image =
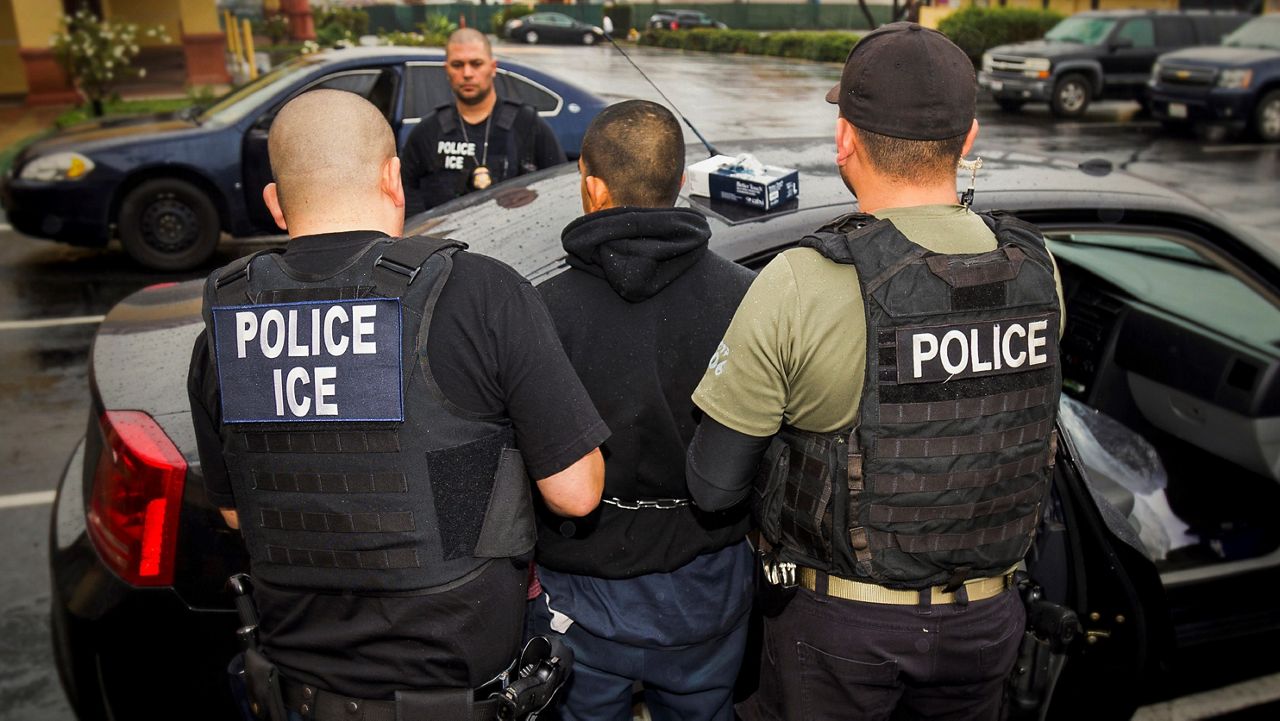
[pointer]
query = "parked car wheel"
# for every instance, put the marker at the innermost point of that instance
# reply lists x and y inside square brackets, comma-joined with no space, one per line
[1010,105]
[1070,96]
[531,37]
[168,224]
[588,38]
[1266,118]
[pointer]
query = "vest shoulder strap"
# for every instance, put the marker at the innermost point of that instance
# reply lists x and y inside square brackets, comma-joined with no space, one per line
[400,262]
[445,117]
[235,275]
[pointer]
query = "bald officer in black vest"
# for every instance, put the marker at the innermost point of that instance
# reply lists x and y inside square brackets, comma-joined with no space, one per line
[898,374]
[369,411]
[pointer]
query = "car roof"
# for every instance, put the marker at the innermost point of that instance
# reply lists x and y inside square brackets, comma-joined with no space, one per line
[1141,13]
[507,223]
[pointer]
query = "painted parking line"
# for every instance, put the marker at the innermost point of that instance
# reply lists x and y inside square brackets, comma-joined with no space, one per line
[20,500]
[50,322]
[1254,147]
[1236,697]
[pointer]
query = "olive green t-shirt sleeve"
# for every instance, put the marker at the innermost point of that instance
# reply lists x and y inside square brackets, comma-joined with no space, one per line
[745,384]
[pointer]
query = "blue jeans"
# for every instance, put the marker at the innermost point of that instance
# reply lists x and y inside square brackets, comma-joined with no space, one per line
[687,683]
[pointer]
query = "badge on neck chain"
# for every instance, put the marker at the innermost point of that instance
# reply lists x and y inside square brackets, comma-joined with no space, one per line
[480,178]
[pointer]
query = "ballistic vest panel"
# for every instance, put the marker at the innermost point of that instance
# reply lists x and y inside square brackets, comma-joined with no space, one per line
[944,474]
[351,473]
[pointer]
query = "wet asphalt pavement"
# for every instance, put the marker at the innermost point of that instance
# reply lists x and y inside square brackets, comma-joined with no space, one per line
[50,294]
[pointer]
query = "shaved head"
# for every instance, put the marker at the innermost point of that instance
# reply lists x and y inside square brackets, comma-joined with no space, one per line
[464,36]
[328,149]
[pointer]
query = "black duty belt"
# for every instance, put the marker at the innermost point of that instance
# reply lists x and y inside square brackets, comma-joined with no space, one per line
[316,704]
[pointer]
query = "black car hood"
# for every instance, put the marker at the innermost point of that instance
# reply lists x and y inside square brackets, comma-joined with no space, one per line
[1220,56]
[104,134]
[1042,49]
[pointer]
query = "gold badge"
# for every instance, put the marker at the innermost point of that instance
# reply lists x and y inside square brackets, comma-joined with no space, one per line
[480,178]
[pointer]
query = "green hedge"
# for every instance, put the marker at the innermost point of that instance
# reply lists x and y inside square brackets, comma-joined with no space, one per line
[977,30]
[807,45]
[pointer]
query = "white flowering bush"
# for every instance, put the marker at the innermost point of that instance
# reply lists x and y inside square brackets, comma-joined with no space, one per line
[97,54]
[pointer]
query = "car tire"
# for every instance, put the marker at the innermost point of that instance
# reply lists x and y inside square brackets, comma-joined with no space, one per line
[168,224]
[588,38]
[1010,105]
[531,37]
[1266,118]
[1070,96]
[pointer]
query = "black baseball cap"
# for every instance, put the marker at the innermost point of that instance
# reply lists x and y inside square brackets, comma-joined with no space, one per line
[907,81]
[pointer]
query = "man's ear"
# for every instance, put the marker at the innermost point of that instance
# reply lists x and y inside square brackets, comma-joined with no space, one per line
[846,140]
[597,194]
[392,185]
[272,200]
[972,136]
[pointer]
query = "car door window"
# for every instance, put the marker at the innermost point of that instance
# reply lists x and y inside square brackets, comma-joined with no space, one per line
[426,88]
[1175,32]
[1139,31]
[510,85]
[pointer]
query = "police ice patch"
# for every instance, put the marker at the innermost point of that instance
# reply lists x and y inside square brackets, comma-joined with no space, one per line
[967,350]
[332,360]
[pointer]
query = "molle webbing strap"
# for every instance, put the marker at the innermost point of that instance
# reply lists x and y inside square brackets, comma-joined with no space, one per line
[886,484]
[321,442]
[913,514]
[945,542]
[997,266]
[400,262]
[380,482]
[913,255]
[355,560]
[963,445]
[294,295]
[894,413]
[312,522]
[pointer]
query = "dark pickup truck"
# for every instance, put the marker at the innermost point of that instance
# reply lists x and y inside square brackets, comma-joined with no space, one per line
[1095,55]
[1235,84]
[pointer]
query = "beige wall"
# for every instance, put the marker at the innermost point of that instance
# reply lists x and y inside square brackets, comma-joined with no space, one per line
[145,13]
[12,80]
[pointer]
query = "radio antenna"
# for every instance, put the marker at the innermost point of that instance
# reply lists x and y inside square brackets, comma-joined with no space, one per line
[710,148]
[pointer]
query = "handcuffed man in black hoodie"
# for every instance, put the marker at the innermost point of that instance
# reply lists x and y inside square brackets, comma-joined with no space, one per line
[648,587]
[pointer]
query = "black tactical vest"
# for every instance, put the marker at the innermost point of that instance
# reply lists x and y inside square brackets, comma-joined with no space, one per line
[350,469]
[944,474]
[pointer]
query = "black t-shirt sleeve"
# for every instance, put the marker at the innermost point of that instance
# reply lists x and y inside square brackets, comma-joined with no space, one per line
[547,151]
[494,353]
[415,165]
[202,391]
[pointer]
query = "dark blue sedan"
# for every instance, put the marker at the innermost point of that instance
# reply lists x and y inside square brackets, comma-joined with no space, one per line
[167,186]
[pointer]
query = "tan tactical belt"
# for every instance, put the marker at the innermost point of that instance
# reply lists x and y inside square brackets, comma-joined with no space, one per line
[976,589]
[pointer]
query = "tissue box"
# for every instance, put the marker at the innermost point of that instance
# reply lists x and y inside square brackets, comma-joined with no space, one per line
[763,186]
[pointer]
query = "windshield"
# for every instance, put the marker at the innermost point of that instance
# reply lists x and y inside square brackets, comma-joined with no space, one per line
[1087,31]
[245,99]
[1257,33]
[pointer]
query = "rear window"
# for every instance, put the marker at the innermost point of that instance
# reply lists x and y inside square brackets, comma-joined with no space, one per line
[1175,32]
[514,86]
[1140,31]
[427,88]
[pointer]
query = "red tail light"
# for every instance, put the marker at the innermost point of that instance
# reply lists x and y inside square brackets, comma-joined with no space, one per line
[675,25]
[137,497]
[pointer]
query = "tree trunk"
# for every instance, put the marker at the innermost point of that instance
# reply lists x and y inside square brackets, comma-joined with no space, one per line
[866,12]
[95,106]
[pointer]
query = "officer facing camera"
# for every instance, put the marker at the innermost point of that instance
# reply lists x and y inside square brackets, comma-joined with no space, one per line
[898,376]
[369,410]
[477,140]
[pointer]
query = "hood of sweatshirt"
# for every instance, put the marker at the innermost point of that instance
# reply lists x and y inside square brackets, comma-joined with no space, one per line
[638,251]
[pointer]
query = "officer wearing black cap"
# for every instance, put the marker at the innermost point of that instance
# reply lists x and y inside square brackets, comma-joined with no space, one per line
[368,411]
[898,376]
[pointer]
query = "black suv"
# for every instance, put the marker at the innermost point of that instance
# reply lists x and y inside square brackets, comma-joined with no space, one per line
[1095,55]
[683,19]
[1236,84]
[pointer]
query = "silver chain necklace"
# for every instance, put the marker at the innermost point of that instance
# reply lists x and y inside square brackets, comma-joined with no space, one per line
[481,178]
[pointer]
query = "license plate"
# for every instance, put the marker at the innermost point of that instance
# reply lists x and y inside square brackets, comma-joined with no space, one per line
[1177,110]
[997,86]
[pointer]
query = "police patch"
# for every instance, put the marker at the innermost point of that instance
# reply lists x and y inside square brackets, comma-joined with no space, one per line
[331,360]
[968,350]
